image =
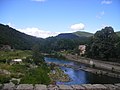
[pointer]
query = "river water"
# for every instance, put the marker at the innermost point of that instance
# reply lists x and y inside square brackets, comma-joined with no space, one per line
[80,76]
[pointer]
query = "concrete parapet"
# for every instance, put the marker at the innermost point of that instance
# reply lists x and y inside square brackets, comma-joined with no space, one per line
[25,87]
[40,87]
[8,86]
[77,87]
[118,84]
[53,87]
[112,87]
[11,86]
[89,87]
[0,86]
[65,87]
[99,87]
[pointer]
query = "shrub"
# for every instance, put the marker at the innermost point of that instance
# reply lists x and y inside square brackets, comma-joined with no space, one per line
[4,79]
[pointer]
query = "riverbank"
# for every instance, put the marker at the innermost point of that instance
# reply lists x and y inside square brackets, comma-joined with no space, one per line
[97,67]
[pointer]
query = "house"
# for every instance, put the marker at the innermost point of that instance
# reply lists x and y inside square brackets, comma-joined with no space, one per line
[82,49]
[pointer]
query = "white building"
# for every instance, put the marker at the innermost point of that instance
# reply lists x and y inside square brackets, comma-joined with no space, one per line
[82,49]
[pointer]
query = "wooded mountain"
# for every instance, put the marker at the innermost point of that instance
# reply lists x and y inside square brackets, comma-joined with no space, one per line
[67,36]
[16,39]
[19,40]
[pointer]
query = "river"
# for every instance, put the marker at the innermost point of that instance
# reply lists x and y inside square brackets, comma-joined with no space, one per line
[80,76]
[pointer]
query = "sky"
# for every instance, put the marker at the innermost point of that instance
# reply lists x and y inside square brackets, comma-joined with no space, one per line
[44,18]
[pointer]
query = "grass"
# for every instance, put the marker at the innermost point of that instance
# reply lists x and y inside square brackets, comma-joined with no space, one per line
[9,55]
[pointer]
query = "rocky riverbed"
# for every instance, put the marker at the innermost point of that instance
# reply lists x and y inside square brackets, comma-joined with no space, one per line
[58,75]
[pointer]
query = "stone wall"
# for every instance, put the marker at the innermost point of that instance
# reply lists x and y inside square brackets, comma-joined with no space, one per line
[11,86]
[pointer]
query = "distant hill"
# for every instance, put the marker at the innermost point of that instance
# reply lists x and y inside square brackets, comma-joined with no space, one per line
[75,35]
[118,33]
[67,36]
[83,34]
[16,39]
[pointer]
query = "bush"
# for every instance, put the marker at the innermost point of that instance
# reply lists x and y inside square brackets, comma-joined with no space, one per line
[36,76]
[4,79]
[15,82]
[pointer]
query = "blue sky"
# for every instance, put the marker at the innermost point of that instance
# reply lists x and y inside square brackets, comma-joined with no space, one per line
[43,18]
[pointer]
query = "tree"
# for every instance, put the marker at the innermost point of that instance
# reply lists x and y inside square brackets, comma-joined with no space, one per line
[118,48]
[104,44]
[37,57]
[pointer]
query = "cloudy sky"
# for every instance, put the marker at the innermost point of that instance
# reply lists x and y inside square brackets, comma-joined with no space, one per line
[43,18]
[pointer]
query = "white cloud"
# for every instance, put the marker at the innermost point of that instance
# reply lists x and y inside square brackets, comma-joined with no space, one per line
[39,0]
[79,26]
[11,25]
[37,32]
[106,2]
[100,15]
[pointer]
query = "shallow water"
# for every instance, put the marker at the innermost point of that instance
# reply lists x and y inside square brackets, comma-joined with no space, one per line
[80,76]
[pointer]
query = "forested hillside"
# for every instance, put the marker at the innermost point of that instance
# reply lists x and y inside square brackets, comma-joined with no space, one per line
[16,39]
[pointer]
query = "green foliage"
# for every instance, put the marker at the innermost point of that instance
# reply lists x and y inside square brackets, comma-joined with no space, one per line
[37,76]
[17,68]
[118,48]
[9,55]
[56,55]
[37,56]
[15,82]
[103,44]
[4,78]
[118,33]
